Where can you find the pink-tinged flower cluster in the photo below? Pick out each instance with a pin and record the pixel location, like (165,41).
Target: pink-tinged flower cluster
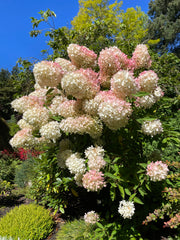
(114,112)
(95,158)
(93,180)
(146,101)
(66,65)
(123,84)
(23,138)
(91,217)
(147,81)
(55,106)
(157,171)
(51,131)
(174,222)
(70,108)
(36,116)
(126,209)
(26,102)
(152,128)
(141,57)
(75,164)
(81,84)
(48,74)
(110,61)
(81,56)
(83,124)
(158,93)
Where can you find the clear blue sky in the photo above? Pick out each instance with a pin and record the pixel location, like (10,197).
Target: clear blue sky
(15,41)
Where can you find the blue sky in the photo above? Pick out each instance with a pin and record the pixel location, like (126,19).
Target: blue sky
(15,22)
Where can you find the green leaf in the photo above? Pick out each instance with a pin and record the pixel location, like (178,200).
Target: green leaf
(111,176)
(127,191)
(137,200)
(121,189)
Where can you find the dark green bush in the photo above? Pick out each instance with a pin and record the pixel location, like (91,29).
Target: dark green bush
(26,222)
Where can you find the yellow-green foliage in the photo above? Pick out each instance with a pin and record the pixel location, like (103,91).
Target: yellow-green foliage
(26,222)
(92,10)
(134,25)
(76,229)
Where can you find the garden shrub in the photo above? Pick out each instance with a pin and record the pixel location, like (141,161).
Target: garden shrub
(74,230)
(103,137)
(26,222)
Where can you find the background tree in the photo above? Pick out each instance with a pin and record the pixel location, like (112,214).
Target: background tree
(165,24)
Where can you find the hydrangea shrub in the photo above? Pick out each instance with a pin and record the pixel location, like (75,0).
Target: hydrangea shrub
(93,109)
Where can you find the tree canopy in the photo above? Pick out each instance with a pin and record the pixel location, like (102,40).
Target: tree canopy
(165,24)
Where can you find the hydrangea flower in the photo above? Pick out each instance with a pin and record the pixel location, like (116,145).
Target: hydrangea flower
(91,217)
(157,171)
(95,157)
(141,57)
(81,84)
(114,112)
(82,125)
(126,209)
(23,138)
(93,180)
(70,108)
(152,128)
(51,131)
(36,116)
(123,84)
(66,65)
(146,101)
(147,81)
(81,56)
(76,164)
(48,74)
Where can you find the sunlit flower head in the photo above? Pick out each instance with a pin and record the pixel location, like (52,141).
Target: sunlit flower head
(126,209)
(157,171)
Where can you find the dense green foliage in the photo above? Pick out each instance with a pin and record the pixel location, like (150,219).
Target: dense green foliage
(74,230)
(26,222)
(165,24)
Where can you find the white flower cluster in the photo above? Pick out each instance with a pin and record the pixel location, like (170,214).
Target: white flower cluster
(91,217)
(51,131)
(48,73)
(79,84)
(70,108)
(157,171)
(24,138)
(147,81)
(114,113)
(81,56)
(66,65)
(55,106)
(152,128)
(36,116)
(141,57)
(126,209)
(75,164)
(95,157)
(82,125)
(123,84)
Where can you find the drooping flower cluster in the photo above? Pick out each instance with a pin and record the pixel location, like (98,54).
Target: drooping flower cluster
(152,128)
(157,171)
(91,217)
(95,157)
(93,180)
(51,131)
(75,164)
(48,73)
(141,57)
(126,209)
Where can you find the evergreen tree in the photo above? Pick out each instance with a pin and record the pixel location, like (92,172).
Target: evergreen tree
(165,24)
